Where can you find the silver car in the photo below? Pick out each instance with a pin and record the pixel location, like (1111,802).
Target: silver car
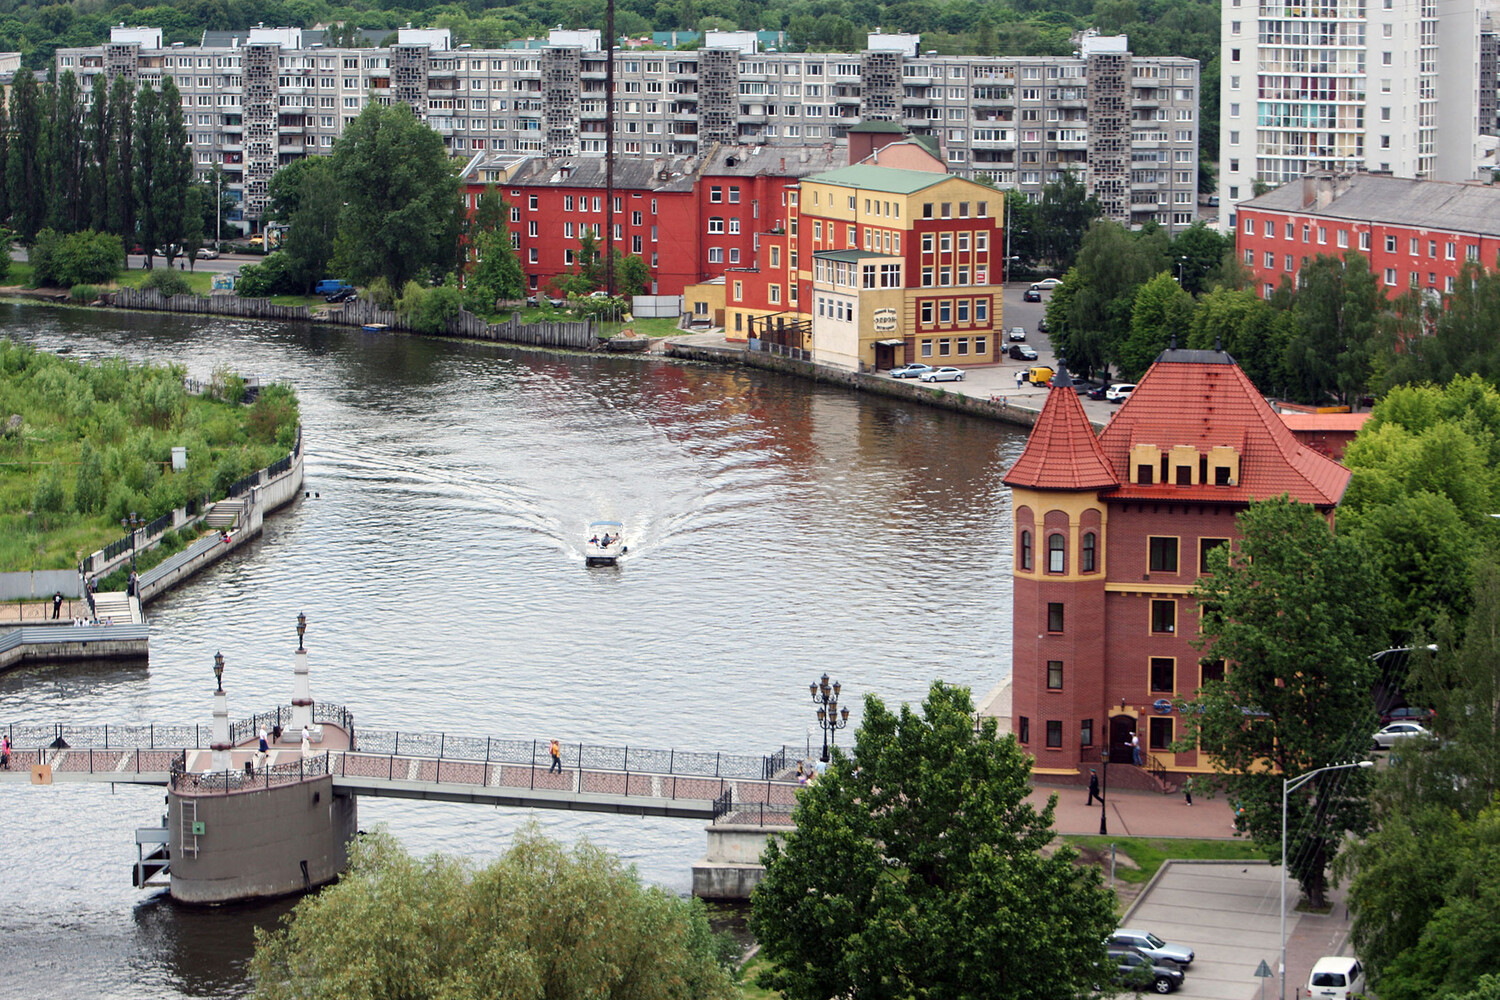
(1397,732)
(1151,946)
(943,375)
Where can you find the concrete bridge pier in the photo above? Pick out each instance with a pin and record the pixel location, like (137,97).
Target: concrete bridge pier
(731,869)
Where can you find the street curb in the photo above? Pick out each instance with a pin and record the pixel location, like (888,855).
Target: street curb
(1165,865)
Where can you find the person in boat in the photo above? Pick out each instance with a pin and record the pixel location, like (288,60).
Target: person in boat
(594,540)
(605,542)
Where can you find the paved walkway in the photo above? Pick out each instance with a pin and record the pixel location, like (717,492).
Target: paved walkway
(1139,814)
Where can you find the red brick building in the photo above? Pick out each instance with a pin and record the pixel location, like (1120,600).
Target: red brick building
(689,218)
(1111,533)
(1416,234)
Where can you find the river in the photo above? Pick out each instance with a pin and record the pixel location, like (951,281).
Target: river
(776,529)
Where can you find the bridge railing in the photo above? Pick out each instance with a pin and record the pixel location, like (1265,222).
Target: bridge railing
(187,782)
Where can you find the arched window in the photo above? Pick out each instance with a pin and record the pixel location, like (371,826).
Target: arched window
(1056,561)
(1089,559)
(1025,550)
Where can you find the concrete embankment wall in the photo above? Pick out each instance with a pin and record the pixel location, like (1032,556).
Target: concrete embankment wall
(731,869)
(907,391)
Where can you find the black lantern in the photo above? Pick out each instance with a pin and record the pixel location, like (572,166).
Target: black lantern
(301,629)
(219,669)
(831,718)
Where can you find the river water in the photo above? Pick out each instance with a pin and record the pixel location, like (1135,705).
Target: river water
(776,529)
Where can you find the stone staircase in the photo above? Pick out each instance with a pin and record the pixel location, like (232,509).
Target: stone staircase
(225,514)
(116,606)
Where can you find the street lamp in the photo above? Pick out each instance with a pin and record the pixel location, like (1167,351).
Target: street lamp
(1287,786)
(1180,262)
(1104,790)
(219,669)
(130,524)
(831,718)
(301,629)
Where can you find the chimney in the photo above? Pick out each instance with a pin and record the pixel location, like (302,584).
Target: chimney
(1309,190)
(783,164)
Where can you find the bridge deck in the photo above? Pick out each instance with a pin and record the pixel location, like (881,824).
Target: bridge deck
(436,779)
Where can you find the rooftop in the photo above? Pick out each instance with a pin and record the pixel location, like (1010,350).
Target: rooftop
(1062,452)
(887,179)
(1360,197)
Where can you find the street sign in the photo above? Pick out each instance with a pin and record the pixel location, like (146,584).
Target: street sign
(1264,971)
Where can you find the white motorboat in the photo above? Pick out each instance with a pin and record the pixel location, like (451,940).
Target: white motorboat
(604,546)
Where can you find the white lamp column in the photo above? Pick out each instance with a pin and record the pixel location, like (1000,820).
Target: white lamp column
(301,688)
(219,742)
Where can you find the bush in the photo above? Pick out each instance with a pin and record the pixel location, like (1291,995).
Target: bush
(428,310)
(77,258)
(379,292)
(167,282)
(83,294)
(272,276)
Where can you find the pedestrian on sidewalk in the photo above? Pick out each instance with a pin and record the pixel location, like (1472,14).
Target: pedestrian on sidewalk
(262,748)
(1135,748)
(56,605)
(5,752)
(1093,787)
(1021,378)
(1187,789)
(556,752)
(306,743)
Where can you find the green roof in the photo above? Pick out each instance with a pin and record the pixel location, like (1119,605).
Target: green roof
(887,179)
(851,256)
(878,126)
(928,143)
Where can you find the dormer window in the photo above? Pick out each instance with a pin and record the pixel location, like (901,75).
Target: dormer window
(1145,460)
(1224,465)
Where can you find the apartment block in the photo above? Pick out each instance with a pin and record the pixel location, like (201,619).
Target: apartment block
(1347,85)
(1126,126)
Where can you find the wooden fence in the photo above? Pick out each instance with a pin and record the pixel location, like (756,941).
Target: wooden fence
(578,335)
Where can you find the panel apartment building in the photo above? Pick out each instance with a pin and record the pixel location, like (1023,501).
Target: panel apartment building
(1127,126)
(1379,85)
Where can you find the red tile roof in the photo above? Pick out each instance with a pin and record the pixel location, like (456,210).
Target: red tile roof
(1203,399)
(1342,423)
(1062,452)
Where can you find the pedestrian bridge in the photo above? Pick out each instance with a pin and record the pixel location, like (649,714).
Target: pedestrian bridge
(437,767)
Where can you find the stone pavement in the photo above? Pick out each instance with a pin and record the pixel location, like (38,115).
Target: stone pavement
(1139,814)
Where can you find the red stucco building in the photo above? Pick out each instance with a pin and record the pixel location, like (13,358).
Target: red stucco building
(1415,234)
(1111,533)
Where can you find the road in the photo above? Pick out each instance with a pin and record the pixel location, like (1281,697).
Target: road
(228,263)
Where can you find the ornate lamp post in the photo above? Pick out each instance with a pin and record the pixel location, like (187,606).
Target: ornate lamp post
(130,524)
(831,718)
(219,669)
(219,741)
(301,629)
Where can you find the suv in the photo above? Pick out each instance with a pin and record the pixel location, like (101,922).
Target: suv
(1022,352)
(1136,971)
(1017,333)
(1151,946)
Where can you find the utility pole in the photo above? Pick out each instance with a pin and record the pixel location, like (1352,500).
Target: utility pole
(218,205)
(609,148)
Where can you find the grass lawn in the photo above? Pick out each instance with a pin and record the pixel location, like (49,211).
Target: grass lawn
(1150,853)
(311,301)
(748,989)
(654,326)
(20,273)
(201,282)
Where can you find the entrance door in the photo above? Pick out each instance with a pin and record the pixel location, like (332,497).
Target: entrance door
(1120,729)
(885,356)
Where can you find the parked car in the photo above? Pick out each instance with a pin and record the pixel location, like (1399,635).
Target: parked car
(1397,732)
(330,286)
(1086,388)
(556,303)
(1151,946)
(342,295)
(1042,324)
(1017,333)
(1138,972)
(1022,352)
(1408,713)
(1031,295)
(257,240)
(944,374)
(1098,391)
(1119,392)
(207,253)
(1336,977)
(1046,284)
(1040,375)
(532,300)
(913,370)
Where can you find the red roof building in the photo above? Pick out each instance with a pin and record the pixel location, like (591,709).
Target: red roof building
(1112,531)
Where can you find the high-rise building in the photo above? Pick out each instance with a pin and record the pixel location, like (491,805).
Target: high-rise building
(1126,126)
(1346,85)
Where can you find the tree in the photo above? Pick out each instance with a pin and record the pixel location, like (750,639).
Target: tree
(26,182)
(67,158)
(1432,340)
(916,869)
(150,137)
(490,213)
(541,922)
(495,274)
(98,131)
(173,173)
(1064,214)
(120,172)
(1198,254)
(1288,610)
(1245,325)
(1161,315)
(1092,320)
(1331,347)
(314,221)
(404,204)
(86,258)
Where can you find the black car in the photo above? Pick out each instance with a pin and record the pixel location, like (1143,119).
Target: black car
(1031,295)
(342,295)
(1097,391)
(1084,388)
(1136,971)
(1042,324)
(1022,352)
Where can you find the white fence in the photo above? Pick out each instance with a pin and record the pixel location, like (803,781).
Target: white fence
(656,305)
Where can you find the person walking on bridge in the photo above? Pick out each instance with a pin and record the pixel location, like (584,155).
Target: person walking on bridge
(556,752)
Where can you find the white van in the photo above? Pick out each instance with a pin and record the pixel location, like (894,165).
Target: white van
(1336,978)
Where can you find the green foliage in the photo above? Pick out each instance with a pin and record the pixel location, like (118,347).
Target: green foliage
(379,292)
(1294,610)
(429,309)
(166,282)
(274,275)
(541,922)
(83,294)
(96,445)
(1432,340)
(921,872)
(404,205)
(1162,314)
(1091,321)
(496,274)
(1331,349)
(1249,328)
(76,258)
(314,223)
